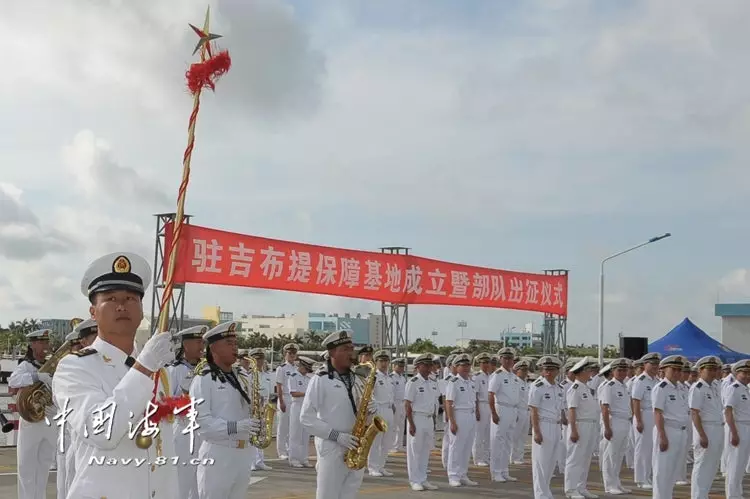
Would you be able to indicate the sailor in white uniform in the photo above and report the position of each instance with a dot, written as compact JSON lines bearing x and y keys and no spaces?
{"x":616,"y":421}
{"x":581,"y":434}
{"x":643,"y":419}
{"x":706,"y":410}
{"x":282,"y":373}
{"x":565,"y":384}
{"x":481,"y":448}
{"x":383,"y":402}
{"x":670,"y":426}
{"x":461,"y":407}
{"x":299,"y":437}
{"x":445,"y":448}
{"x":181,"y":373}
{"x":223,"y":418}
{"x":727,"y":380}
{"x":737,"y":415}
{"x":504,"y":398}
{"x":420,"y":402}
{"x":329,"y":413}
{"x":681,"y":478}
{"x":605,"y":374}
{"x":83,"y":334}
{"x":547,"y":413}
{"x":521,"y":369}
{"x":98,"y":388}
{"x":398,"y":380}
{"x":267,"y":394}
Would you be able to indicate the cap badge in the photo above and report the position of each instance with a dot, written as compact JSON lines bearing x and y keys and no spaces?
{"x":231,"y":328}
{"x":204,"y":329}
{"x":74,"y":322}
{"x":121,"y":265}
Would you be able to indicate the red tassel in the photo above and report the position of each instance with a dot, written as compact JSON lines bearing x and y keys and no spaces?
{"x":168,"y":406}
{"x":205,"y":74}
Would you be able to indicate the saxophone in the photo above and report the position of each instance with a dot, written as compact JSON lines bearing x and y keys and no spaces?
{"x":357,"y":459}
{"x":264,"y":412}
{"x":33,"y":400}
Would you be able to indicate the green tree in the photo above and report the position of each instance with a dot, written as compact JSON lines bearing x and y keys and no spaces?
{"x":423,"y":346}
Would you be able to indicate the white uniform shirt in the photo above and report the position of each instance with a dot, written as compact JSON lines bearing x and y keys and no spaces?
{"x":615,"y":395}
{"x":672,"y":401}
{"x":507,"y":388}
{"x":298,"y":382}
{"x":523,"y":396}
{"x":282,"y":373}
{"x":423,"y":394}
{"x":481,"y":385}
{"x":565,"y":384}
{"x":382,"y":395}
{"x":101,"y":391}
{"x":461,"y":392}
{"x":596,"y":381}
{"x":705,"y":398}
{"x":726,"y":383}
{"x":738,"y":398}
{"x":582,"y":399}
{"x":548,"y":399}
{"x":399,"y":386}
{"x":641,"y":390}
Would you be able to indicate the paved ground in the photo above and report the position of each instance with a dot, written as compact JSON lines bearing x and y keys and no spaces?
{"x":290,"y":483}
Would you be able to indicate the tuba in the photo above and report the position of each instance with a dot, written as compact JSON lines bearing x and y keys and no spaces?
{"x":264,"y":412}
{"x":357,"y":459}
{"x":33,"y":400}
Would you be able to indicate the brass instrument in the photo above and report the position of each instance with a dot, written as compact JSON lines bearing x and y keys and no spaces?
{"x":357,"y":459}
{"x":264,"y":412}
{"x":33,"y":400}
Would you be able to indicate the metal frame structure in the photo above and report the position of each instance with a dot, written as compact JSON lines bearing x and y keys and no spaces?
{"x":554,"y":329}
{"x":177,"y":303}
{"x":395,"y":323}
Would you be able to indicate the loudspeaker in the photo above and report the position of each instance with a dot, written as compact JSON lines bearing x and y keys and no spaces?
{"x":633,"y":348}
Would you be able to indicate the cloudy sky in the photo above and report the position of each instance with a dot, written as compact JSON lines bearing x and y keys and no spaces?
{"x":516,"y":135}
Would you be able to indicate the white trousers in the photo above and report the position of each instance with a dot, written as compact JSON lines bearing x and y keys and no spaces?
{"x":282,"y":428}
{"x":736,"y":463}
{"x":579,"y":455}
{"x":228,"y":477}
{"x":543,"y":457}
{"x":36,"y":450}
{"x":630,"y":449}
{"x":481,"y":448}
{"x":187,"y":478}
{"x":520,"y":435}
{"x":381,"y":445}
{"x":502,"y":435}
{"x":665,"y":463}
{"x":396,"y":430}
{"x":706,"y":461}
{"x":419,"y":447}
{"x":614,"y":452}
{"x":66,"y":464}
{"x":725,"y":451}
{"x":335,"y":480}
{"x":299,"y":438}
{"x":643,"y":450}
{"x":444,"y":448}
{"x":562,"y":451}
{"x":459,"y":445}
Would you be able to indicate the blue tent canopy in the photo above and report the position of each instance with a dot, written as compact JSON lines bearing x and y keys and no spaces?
{"x":689,"y":340}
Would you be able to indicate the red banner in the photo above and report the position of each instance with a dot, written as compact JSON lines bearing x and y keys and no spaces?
{"x":210,"y":256}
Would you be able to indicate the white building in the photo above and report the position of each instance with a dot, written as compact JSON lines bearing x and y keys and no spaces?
{"x":735,"y":325}
{"x":274,"y":325}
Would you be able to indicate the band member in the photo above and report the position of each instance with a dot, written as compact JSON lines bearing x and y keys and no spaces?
{"x":705,"y":405}
{"x":398,"y":380}
{"x":224,"y":421}
{"x":364,"y":354}
{"x":643,"y":419}
{"x":383,"y":402}
{"x":282,"y":374}
{"x":329,"y":413}
{"x":299,"y":437}
{"x":521,"y":368}
{"x":481,"y":448}
{"x":616,"y":421}
{"x":181,"y":373}
{"x":100,"y":386}
{"x":267,"y":394}
{"x":461,"y":407}
{"x":737,"y":416}
{"x":581,"y":433}
{"x":670,"y":426}
{"x":420,"y":401}
{"x":504,"y":395}
{"x":547,"y":413}
{"x":36,"y":447}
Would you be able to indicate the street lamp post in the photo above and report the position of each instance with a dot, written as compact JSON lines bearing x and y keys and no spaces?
{"x":601,"y":288}
{"x":462,"y":325}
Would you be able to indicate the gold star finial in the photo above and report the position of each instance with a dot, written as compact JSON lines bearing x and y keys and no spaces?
{"x":206,"y":37}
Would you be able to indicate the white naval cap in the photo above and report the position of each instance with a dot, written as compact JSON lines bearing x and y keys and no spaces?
{"x":461,"y":358}
{"x":39,"y":335}
{"x":653,"y":358}
{"x":604,"y":370}
{"x":741,"y":366}
{"x":223,"y":330}
{"x":425,"y":358}
{"x":521,"y":364}
{"x":677,"y":361}
{"x":621,"y":363}
{"x":584,"y":363}
{"x":482,"y":357}
{"x":382,"y":355}
{"x":290,"y":347}
{"x":339,"y":338}
{"x":306,"y":362}
{"x":708,"y":362}
{"x":117,"y":271}
{"x":192,"y":333}
{"x":549,"y":361}
{"x":257,"y":353}
{"x":85,"y":328}
{"x":73,"y":337}
{"x":507,"y":352}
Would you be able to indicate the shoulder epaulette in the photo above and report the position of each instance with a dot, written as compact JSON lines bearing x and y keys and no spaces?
{"x":498,"y":370}
{"x":736,"y":385}
{"x":293,"y":374}
{"x":454,"y":379}
{"x":611,"y":383}
{"x":84,"y":352}
{"x":575,"y":386}
{"x":539,"y":383}
{"x":413,"y":378}
{"x":662,"y":384}
{"x":206,"y":370}
{"x":322,"y":370}
{"x":642,"y":377}
{"x":699,"y":384}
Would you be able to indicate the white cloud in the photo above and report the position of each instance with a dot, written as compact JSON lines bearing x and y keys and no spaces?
{"x":735,"y":285}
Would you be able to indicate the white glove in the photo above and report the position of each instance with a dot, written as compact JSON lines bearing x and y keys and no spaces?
{"x":251,"y":426}
{"x":45,"y":378}
{"x":347,"y":440}
{"x":157,"y":352}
